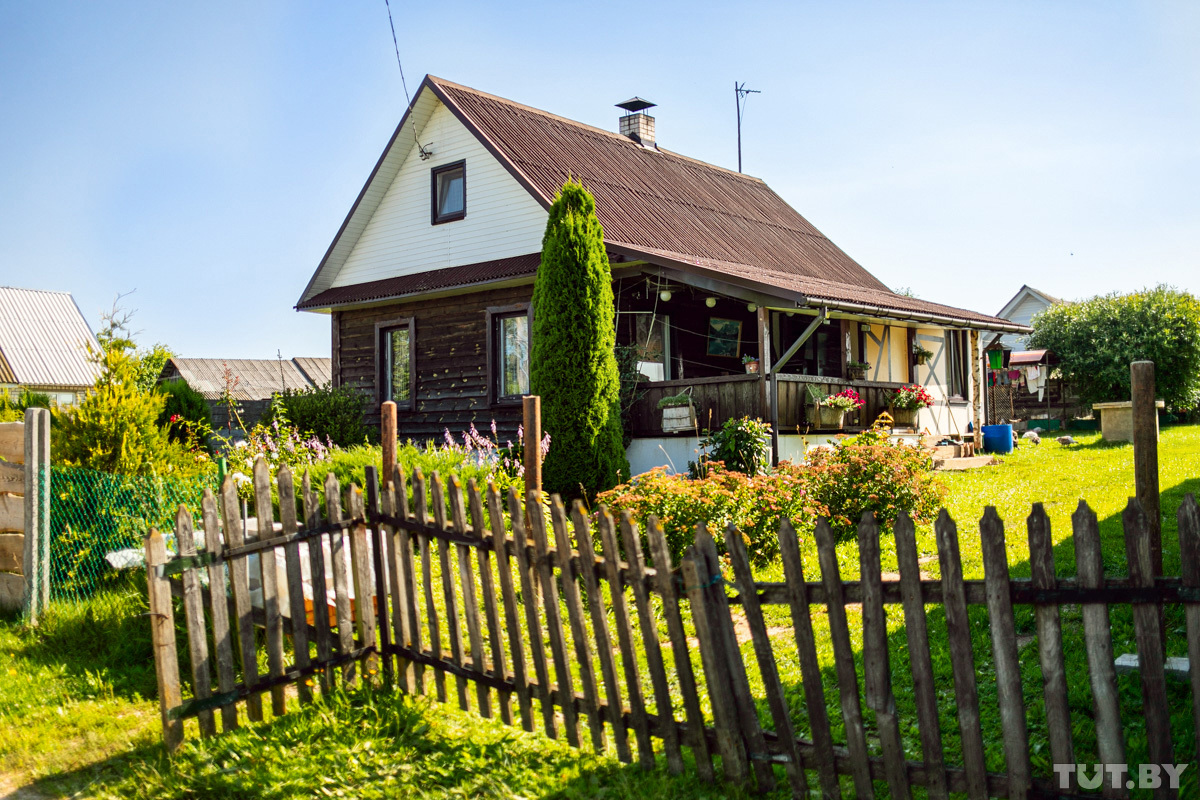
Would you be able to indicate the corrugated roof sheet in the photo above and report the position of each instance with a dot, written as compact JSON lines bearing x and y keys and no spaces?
{"x":256,"y":379}
{"x":44,"y":339}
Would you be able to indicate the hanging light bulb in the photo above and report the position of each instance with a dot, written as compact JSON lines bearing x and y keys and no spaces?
{"x":665,"y":295}
{"x":751,"y":307}
{"x":711,"y":302}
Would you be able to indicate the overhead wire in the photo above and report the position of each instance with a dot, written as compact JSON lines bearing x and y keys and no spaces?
{"x":403,"y":82}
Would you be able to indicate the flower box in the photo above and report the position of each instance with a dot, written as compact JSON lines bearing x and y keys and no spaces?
{"x":679,"y":418}
{"x":831,"y":417}
{"x":904,"y":417}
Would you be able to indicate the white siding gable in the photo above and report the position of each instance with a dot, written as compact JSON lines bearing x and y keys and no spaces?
{"x":1023,"y":313}
{"x":502,"y":220}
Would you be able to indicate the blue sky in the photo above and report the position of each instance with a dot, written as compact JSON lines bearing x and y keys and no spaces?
{"x":205,"y":154}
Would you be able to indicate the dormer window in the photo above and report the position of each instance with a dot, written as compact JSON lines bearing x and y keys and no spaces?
{"x":449,"y":192}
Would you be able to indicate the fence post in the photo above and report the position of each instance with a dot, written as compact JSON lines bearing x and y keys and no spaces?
{"x":162,"y":633}
{"x":532,"y":407}
{"x":1145,"y":455}
{"x":37,"y":512}
{"x":387,"y":437}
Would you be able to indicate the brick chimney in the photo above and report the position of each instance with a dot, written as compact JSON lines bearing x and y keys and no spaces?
{"x":636,"y":124}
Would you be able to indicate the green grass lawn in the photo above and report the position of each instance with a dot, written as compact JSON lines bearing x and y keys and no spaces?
{"x":74,"y":693}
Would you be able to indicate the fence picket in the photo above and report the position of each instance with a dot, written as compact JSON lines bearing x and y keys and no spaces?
{"x":916,"y":628}
{"x":1149,"y":641}
{"x":431,"y":613}
{"x":843,"y":658}
{"x":1004,"y":650}
{"x":269,"y":581}
{"x":1049,"y":633}
{"x":1097,"y":634}
{"x":529,"y":599}
{"x":316,"y":571}
{"x":488,"y":589}
{"x":877,"y":674}
{"x":604,"y":648}
{"x":958,"y":626}
{"x":1188,"y":518}
{"x":558,"y":649}
{"x":411,"y":637}
{"x":458,"y":515}
{"x":341,"y":577}
{"x":295,"y":579}
{"x":162,"y":633}
{"x":665,"y":585}
{"x":579,"y":633}
{"x":193,"y":613}
{"x":360,"y":566}
{"x":633,"y":681}
{"x":380,"y":564}
{"x":397,"y":589}
{"x":512,"y":619}
{"x":438,"y":498}
{"x":219,"y":609}
{"x":810,"y":668}
{"x":239,"y":575}
{"x":735,"y":546}
{"x":694,"y":569}
{"x":668,"y":729}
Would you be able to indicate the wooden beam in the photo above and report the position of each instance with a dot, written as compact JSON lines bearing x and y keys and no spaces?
{"x":763,"y":325}
{"x":976,"y":388}
{"x":1145,"y":455}
{"x":804,"y":337}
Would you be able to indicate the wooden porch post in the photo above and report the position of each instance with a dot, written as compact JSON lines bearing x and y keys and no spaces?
{"x":764,"y":357}
{"x":976,"y":387}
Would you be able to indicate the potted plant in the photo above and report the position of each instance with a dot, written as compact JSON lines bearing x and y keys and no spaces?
{"x":832,"y":409}
{"x":921,"y":354}
{"x":678,"y":413}
{"x":905,"y":402}
{"x":857,"y":370}
{"x":751,"y":363}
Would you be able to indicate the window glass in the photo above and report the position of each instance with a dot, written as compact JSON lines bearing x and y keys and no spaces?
{"x":451,"y":198}
{"x":398,"y":377}
{"x":512,"y":339}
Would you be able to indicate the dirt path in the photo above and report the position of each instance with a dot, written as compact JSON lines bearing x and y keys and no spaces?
{"x":13,"y":787}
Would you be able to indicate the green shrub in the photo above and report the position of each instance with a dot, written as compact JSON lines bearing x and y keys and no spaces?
{"x":185,"y":415}
{"x":572,"y":365}
{"x":742,"y":445}
{"x":332,"y":414}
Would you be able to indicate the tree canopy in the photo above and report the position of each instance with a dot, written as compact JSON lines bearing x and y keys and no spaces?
{"x":1097,"y":339}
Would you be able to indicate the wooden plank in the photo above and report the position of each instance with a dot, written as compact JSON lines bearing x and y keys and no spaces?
{"x":694,"y":569}
{"x":12,"y":591}
{"x":12,"y":513}
{"x":1188,"y":518}
{"x":962,"y":661}
{"x":735,"y":546}
{"x":512,"y":620}
{"x":1146,"y":620}
{"x":162,"y":634}
{"x":437,"y":497}
{"x":558,"y":650}
{"x":12,"y":552}
{"x":403,"y":542}
{"x":1049,"y":633}
{"x":239,"y":575}
{"x":487,"y":588}
{"x":316,"y":572}
{"x":665,"y":586}
{"x":529,"y":600}
{"x":595,"y":602}
{"x":341,"y":576}
{"x":295,"y":578}
{"x":1004,"y":649}
{"x":193,"y":613}
{"x":219,"y":610}
{"x":843,"y":656}
{"x":435,"y":631}
{"x":877,"y":674}
{"x":364,"y":593}
{"x":1097,"y":634}
{"x":380,"y":568}
{"x":458,"y":516}
{"x":916,"y":629}
{"x":269,"y":581}
{"x":571,"y":578}
{"x":12,"y":442}
{"x":12,"y":478}
{"x":633,"y":681}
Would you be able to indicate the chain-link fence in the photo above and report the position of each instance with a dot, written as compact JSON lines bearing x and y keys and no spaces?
{"x":98,"y":522}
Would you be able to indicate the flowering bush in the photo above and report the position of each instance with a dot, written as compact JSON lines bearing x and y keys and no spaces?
{"x":502,"y":466}
{"x":869,"y":472}
{"x":742,"y":445}
{"x":846,"y":401}
{"x":910,"y":398}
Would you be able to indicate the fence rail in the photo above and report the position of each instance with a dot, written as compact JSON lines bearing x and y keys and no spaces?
{"x":439,"y":589}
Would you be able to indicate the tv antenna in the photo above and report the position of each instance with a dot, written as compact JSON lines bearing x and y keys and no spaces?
{"x":740,"y":92}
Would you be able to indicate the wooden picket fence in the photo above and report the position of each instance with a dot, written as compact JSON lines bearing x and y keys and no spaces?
{"x":418,"y":560}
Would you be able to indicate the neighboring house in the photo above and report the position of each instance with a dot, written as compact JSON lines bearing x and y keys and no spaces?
{"x":250,"y":381}
{"x":1024,"y":305}
{"x":45,"y":345}
{"x":429,"y":281}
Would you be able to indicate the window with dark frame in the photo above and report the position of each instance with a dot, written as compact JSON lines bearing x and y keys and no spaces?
{"x":396,"y":349}
{"x":956,"y":364}
{"x":510,"y":356}
{"x":448,"y":193}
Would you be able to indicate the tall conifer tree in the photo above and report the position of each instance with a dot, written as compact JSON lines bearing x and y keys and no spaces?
{"x":572,"y":364}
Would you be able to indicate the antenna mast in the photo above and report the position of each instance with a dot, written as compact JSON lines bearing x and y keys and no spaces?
{"x":740,"y":91}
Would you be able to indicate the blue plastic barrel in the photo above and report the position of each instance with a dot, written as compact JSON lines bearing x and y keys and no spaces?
{"x":997,"y":438}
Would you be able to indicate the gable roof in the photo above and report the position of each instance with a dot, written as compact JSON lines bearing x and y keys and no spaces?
{"x":257,"y":378}
{"x":1027,"y":291}
{"x":44,"y":339}
{"x":654,"y":204}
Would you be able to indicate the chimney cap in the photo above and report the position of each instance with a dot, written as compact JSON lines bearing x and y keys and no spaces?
{"x":636,"y":104}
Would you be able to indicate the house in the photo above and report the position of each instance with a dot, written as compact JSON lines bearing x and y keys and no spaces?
{"x":429,"y":279}
{"x":249,"y":381}
{"x":1022,"y":308}
{"x":45,"y":345}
